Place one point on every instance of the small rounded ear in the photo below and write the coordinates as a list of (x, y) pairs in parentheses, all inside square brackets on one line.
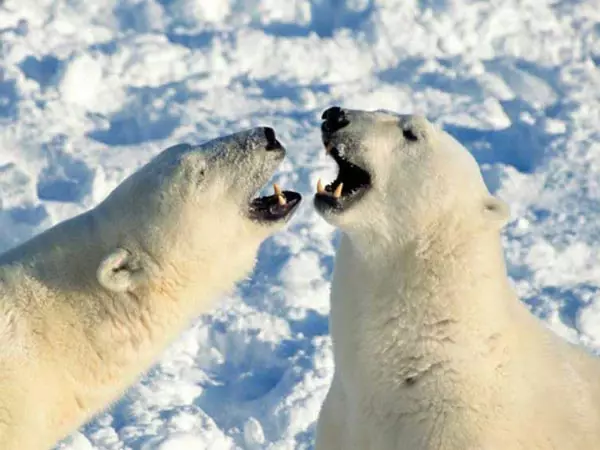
[(118, 271), (496, 211)]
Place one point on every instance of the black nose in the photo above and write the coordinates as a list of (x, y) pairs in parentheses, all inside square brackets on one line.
[(272, 142), (335, 119)]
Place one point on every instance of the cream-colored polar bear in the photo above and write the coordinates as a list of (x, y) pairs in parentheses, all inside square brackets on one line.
[(88, 305), (432, 348)]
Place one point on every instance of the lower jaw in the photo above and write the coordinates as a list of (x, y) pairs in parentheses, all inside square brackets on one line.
[(266, 215), (326, 203)]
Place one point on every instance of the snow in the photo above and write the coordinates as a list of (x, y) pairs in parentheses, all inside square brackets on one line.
[(91, 90)]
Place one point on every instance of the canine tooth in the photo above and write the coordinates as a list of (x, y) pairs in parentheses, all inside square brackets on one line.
[(277, 190), (338, 191), (320, 188), (281, 200)]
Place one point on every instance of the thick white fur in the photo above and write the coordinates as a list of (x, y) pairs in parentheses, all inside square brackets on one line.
[(432, 348), (88, 305)]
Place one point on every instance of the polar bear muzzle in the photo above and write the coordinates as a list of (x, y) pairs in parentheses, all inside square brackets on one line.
[(352, 180), (282, 204)]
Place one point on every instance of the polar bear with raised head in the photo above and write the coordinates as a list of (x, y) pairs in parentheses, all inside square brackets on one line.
[(432, 348), (88, 305)]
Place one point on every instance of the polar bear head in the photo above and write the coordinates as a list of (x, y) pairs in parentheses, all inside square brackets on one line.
[(190, 215), (399, 175)]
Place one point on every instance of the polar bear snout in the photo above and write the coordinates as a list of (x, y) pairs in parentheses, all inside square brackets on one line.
[(272, 142), (343, 145), (261, 153), (243, 163), (334, 119)]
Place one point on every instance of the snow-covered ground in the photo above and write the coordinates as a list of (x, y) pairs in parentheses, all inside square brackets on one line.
[(89, 90)]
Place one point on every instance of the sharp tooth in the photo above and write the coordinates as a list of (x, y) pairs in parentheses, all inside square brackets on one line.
[(338, 191), (277, 190), (320, 188), (328, 147), (281, 200)]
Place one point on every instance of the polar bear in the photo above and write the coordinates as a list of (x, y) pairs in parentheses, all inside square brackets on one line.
[(432, 349), (88, 305)]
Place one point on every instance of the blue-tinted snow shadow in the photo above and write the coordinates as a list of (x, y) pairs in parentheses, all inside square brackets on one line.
[(8, 98), (569, 300), (272, 88), (410, 71), (191, 40), (64, 177), (140, 121), (30, 215), (254, 385), (271, 258), (528, 81), (522, 145), (326, 18), (311, 325), (20, 29), (243, 386), (135, 130), (138, 17), (107, 47), (22, 215), (238, 384), (43, 70), (262, 288), (20, 223), (435, 5)]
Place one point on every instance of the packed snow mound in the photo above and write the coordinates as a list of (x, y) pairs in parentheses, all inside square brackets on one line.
[(89, 91)]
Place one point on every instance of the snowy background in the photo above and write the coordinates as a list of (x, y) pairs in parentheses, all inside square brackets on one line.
[(90, 90)]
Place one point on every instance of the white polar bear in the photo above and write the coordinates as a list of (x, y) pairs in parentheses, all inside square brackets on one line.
[(88, 305), (432, 349)]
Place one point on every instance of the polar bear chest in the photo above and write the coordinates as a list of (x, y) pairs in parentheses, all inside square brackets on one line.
[(398, 365)]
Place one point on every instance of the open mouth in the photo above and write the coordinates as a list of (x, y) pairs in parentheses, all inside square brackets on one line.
[(273, 208), (351, 183), (281, 205)]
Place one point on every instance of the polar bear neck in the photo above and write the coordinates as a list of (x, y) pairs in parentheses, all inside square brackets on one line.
[(97, 342), (125, 331), (408, 308), (447, 254)]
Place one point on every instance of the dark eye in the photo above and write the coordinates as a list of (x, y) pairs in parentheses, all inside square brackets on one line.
[(409, 135)]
